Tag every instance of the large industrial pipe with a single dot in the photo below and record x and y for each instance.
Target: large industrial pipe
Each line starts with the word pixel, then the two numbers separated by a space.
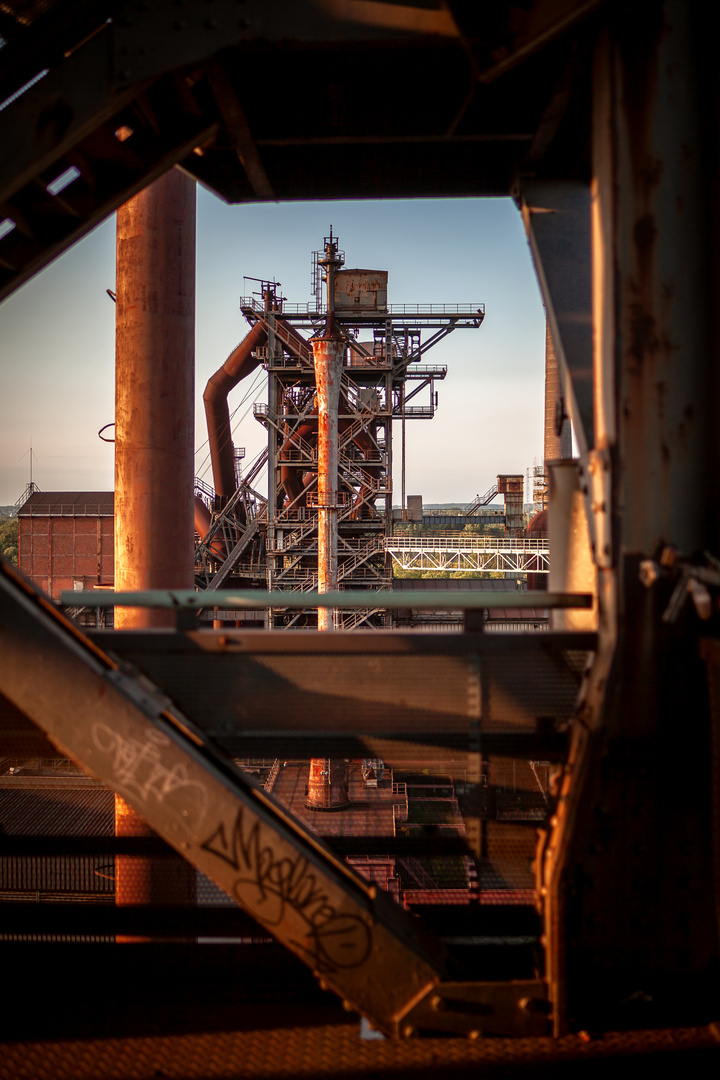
pixel 327 785
pixel 328 352
pixel 238 365
pixel 203 522
pixel 154 453
pixel 154 393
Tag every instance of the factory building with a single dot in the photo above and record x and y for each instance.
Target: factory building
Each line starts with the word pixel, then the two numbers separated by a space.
pixel 65 540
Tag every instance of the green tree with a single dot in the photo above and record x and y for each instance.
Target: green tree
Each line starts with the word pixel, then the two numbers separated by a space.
pixel 9 539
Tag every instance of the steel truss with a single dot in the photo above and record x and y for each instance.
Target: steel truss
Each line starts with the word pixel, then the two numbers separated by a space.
pixel 275 543
pixel 354 938
pixel 478 554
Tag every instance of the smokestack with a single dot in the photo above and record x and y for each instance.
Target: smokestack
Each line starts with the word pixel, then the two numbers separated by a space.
pixel 154 435
pixel 154 394
pixel 328 353
pixel 327 786
pixel 327 789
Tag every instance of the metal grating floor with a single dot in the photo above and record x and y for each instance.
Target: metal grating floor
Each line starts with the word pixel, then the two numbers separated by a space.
pixel 336 1050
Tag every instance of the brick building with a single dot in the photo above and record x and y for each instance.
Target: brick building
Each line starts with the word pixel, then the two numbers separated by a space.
pixel 65 539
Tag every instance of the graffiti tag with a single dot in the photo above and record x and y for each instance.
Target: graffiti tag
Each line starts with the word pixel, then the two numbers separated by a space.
pixel 273 888
pixel 139 767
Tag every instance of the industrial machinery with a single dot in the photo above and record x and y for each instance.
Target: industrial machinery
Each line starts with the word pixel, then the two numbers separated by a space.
pixel 600 119
pixel 273 542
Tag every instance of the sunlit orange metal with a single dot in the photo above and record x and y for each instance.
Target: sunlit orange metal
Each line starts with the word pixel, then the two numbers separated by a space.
pixel 327 786
pixel 328 355
pixel 154 451
pixel 154 387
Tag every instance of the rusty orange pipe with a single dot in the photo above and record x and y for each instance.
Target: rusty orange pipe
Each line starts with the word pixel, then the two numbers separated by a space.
pixel 203 521
pixel 238 365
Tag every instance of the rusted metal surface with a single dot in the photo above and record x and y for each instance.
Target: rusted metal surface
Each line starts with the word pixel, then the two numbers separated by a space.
pixel 572 567
pixel 361 290
pixel 621 908
pixel 154 391
pixel 240 363
pixel 154 445
pixel 356 941
pixel 513 488
pixel 328 354
pixel 327 785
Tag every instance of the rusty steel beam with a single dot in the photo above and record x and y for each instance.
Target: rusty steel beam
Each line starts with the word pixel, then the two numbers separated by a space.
pixel 352 936
pixel 238 129
pixel 626 870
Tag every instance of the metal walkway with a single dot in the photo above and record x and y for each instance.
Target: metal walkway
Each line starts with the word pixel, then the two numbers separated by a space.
pixel 121 727
pixel 475 553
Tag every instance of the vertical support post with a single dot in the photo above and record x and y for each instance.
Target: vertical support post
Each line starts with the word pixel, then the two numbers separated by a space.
pixel 402 435
pixel 328 353
pixel 615 913
pixel 154 451
pixel 572 568
pixel 273 468
pixel 154 393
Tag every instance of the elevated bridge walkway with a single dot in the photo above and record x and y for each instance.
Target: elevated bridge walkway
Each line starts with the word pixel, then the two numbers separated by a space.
pixel 473 553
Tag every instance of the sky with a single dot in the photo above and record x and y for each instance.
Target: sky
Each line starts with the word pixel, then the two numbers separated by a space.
pixel 57 347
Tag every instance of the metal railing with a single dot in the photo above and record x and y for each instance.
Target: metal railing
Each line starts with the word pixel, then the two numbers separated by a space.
pixel 470 543
pixel 312 310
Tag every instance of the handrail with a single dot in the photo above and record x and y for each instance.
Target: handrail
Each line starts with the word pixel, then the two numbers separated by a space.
pixel 252 599
pixel 312 310
pixel 460 543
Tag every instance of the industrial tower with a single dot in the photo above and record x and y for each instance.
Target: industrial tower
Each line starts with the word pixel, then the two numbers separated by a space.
pixel 249 540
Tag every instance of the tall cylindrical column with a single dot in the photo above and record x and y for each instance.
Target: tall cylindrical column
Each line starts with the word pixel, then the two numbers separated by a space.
pixel 154 432
pixel 328 353
pixel 327 785
pixel 154 385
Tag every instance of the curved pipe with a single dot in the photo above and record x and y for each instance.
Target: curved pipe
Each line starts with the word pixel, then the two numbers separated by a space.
pixel 296 482
pixel 291 473
pixel 203 521
pixel 238 365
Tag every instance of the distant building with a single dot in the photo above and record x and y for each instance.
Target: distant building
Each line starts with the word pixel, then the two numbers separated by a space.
pixel 66 540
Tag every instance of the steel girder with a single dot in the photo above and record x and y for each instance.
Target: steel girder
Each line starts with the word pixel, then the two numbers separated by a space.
pixel 126 732
pixel 625 872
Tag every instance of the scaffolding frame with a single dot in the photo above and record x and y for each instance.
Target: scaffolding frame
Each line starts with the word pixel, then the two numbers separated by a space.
pixel 273 543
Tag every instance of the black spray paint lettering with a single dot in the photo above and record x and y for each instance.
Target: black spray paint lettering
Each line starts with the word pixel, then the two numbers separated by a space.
pixel 269 887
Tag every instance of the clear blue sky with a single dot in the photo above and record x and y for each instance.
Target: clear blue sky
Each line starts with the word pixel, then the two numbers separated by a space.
pixel 57 336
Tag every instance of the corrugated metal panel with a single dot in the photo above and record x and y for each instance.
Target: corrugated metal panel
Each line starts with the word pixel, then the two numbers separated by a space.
pixel 60 811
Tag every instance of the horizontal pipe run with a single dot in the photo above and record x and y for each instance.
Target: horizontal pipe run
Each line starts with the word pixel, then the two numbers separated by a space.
pixel 255 599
